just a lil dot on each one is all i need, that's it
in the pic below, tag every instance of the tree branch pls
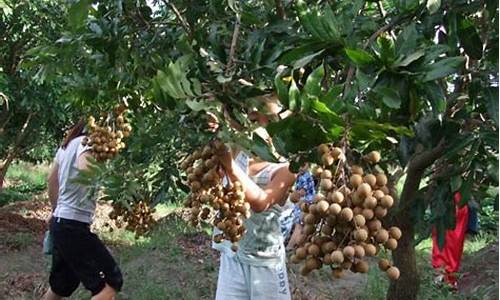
(184, 23)
(280, 10)
(234, 42)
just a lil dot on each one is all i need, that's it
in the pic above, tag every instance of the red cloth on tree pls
(449, 257)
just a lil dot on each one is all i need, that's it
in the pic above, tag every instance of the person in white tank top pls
(78, 256)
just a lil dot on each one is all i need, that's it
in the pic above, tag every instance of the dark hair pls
(73, 132)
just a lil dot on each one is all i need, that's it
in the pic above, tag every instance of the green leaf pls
(406, 41)
(433, 6)
(328, 117)
(281, 90)
(469, 39)
(455, 183)
(262, 149)
(458, 144)
(404, 61)
(390, 97)
(293, 97)
(443, 68)
(313, 82)
(359, 57)
(436, 96)
(491, 95)
(78, 13)
(306, 59)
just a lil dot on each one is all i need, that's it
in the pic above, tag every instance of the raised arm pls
(261, 199)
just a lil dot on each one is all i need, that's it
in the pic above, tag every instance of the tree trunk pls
(407, 286)
(14, 150)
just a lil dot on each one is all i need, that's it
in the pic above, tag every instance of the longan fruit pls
(310, 219)
(337, 257)
(370, 250)
(378, 194)
(382, 236)
(361, 266)
(327, 159)
(370, 202)
(355, 169)
(386, 201)
(364, 190)
(312, 263)
(313, 250)
(346, 214)
(384, 264)
(323, 148)
(360, 235)
(359, 220)
(334, 209)
(337, 273)
(359, 251)
(395, 232)
(346, 265)
(348, 251)
(328, 247)
(356, 199)
(326, 184)
(368, 213)
(326, 174)
(381, 179)
(309, 229)
(301, 253)
(326, 229)
(336, 197)
(393, 273)
(374, 225)
(370, 179)
(373, 157)
(318, 197)
(322, 207)
(380, 212)
(391, 244)
(355, 180)
(294, 259)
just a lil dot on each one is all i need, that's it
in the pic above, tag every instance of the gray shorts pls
(238, 281)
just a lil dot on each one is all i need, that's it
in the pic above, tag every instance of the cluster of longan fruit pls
(106, 135)
(343, 224)
(138, 219)
(224, 205)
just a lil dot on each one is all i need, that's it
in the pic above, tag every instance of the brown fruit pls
(313, 263)
(337, 273)
(327, 259)
(374, 225)
(364, 190)
(301, 253)
(386, 201)
(373, 157)
(355, 169)
(391, 244)
(370, 179)
(356, 199)
(395, 232)
(310, 219)
(336, 152)
(318, 197)
(304, 271)
(382, 236)
(313, 250)
(346, 214)
(326, 229)
(348, 251)
(294, 259)
(346, 265)
(380, 212)
(328, 247)
(309, 229)
(384, 264)
(361, 266)
(368, 213)
(326, 184)
(357, 210)
(336, 197)
(322, 207)
(327, 159)
(355, 180)
(331, 220)
(378, 194)
(304, 207)
(370, 202)
(393, 273)
(360, 235)
(337, 257)
(317, 171)
(359, 220)
(359, 251)
(323, 148)
(370, 249)
(327, 174)
(384, 189)
(381, 179)
(334, 209)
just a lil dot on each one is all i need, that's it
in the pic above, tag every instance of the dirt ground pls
(24, 270)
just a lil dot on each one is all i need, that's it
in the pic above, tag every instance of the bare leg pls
(107, 293)
(50, 295)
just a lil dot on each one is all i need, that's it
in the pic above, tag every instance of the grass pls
(378, 283)
(25, 181)
(18, 241)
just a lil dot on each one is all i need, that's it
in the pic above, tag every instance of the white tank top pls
(73, 201)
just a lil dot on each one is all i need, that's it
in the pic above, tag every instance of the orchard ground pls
(177, 262)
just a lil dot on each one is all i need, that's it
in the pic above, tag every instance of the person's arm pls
(53, 185)
(82, 161)
(258, 198)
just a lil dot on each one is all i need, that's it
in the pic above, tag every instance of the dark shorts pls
(79, 256)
